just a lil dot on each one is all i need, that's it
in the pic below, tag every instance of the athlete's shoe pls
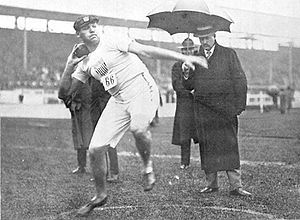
(149, 181)
(87, 208)
(79, 170)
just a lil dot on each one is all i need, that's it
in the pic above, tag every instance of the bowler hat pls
(84, 20)
(187, 43)
(205, 31)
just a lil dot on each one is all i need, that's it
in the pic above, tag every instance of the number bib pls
(109, 81)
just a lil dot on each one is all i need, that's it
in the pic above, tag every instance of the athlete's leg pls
(110, 128)
(98, 165)
(99, 169)
(113, 170)
(142, 110)
(143, 144)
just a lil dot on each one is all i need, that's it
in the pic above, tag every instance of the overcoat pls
(82, 128)
(89, 103)
(184, 128)
(99, 99)
(220, 96)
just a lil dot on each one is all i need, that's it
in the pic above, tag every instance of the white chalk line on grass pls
(161, 156)
(188, 206)
(246, 162)
(219, 208)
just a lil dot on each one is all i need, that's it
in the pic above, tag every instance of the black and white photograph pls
(149, 109)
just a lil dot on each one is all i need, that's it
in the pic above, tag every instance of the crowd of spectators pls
(37, 77)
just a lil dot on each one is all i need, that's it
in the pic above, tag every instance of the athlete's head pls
(87, 28)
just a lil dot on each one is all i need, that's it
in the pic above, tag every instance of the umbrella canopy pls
(188, 16)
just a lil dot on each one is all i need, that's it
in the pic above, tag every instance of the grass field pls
(37, 157)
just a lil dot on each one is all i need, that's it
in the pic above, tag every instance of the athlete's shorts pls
(119, 115)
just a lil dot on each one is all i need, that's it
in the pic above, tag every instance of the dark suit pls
(220, 95)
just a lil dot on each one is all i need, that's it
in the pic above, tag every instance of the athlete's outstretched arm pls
(160, 53)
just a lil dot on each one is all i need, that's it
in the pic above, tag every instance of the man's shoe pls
(114, 178)
(149, 181)
(183, 166)
(111, 179)
(239, 192)
(86, 209)
(209, 190)
(79, 170)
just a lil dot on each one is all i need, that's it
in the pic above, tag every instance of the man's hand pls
(191, 60)
(75, 106)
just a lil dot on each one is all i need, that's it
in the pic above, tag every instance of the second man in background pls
(184, 128)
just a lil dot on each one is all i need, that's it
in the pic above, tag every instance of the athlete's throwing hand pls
(192, 60)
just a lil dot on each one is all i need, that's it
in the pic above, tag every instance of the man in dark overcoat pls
(184, 128)
(82, 129)
(220, 96)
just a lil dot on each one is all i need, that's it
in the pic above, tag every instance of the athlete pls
(134, 98)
